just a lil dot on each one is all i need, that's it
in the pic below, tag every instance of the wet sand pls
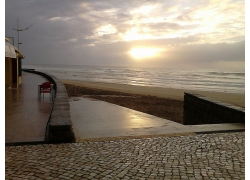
(161, 102)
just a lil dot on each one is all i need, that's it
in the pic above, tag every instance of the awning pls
(10, 51)
(18, 53)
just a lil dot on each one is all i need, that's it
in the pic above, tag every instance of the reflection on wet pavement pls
(25, 116)
(95, 119)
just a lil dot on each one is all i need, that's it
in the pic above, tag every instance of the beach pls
(162, 102)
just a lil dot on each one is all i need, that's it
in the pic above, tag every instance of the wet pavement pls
(98, 119)
(26, 117)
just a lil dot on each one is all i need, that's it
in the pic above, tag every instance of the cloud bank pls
(209, 33)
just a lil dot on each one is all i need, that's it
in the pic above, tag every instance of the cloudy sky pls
(162, 33)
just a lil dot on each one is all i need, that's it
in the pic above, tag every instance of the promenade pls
(116, 143)
(25, 116)
(204, 156)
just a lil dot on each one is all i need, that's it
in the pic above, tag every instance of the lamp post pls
(18, 32)
(19, 60)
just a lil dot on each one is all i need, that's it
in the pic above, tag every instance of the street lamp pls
(18, 32)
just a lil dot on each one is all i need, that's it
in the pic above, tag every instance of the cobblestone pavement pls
(203, 156)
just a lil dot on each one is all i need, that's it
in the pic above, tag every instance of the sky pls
(143, 33)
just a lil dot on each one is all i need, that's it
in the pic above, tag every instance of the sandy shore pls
(168, 93)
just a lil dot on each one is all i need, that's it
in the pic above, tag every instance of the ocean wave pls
(213, 80)
(227, 73)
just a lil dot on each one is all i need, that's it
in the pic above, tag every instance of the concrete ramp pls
(98, 119)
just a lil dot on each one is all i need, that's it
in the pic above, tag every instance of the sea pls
(191, 79)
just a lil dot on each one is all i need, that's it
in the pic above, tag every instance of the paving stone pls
(203, 156)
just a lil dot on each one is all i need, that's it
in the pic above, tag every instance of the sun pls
(142, 53)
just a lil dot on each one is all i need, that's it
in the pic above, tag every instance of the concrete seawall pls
(199, 109)
(59, 126)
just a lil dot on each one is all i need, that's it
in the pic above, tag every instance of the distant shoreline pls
(168, 93)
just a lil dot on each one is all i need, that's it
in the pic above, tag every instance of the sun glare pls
(142, 53)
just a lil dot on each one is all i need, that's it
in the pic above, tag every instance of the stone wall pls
(202, 110)
(59, 126)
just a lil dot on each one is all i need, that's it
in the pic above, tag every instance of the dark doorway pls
(14, 70)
